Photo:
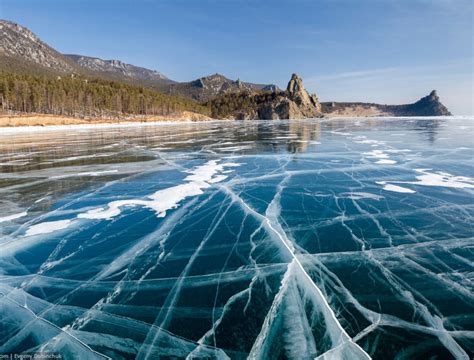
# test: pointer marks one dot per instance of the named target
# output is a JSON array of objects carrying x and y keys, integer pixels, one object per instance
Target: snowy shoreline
[
  {"x": 26, "y": 129},
  {"x": 129, "y": 124}
]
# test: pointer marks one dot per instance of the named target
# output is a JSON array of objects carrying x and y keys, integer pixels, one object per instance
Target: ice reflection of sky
[{"x": 332, "y": 239}]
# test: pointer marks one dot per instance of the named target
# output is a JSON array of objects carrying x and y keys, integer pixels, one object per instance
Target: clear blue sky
[{"x": 387, "y": 51}]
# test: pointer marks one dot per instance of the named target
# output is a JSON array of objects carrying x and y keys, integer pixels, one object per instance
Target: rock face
[
  {"x": 308, "y": 104},
  {"x": 118, "y": 68},
  {"x": 21, "y": 44},
  {"x": 295, "y": 103},
  {"x": 429, "y": 105},
  {"x": 297, "y": 92}
]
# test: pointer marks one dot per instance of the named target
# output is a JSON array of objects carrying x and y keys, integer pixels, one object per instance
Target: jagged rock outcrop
[
  {"x": 427, "y": 106},
  {"x": 297, "y": 92},
  {"x": 295, "y": 103},
  {"x": 308, "y": 104}
]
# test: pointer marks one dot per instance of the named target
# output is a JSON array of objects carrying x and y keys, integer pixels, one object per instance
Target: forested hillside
[
  {"x": 238, "y": 104},
  {"x": 79, "y": 96}
]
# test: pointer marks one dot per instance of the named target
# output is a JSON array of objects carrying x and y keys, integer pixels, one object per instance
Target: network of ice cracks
[{"x": 211, "y": 241}]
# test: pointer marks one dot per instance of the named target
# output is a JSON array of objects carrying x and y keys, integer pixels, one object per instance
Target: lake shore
[
  {"x": 46, "y": 120},
  {"x": 43, "y": 122}
]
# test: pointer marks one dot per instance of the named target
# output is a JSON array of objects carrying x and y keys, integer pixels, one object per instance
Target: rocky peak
[
  {"x": 433, "y": 96},
  {"x": 429, "y": 105},
  {"x": 17, "y": 29},
  {"x": 21, "y": 44},
  {"x": 295, "y": 87},
  {"x": 297, "y": 92},
  {"x": 17, "y": 41},
  {"x": 215, "y": 78},
  {"x": 295, "y": 103}
]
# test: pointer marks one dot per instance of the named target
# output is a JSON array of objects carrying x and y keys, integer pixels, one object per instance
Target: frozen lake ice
[{"x": 328, "y": 239}]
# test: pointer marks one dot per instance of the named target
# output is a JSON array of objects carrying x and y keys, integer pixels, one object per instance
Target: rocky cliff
[
  {"x": 294, "y": 103},
  {"x": 429, "y": 105},
  {"x": 19, "y": 44}
]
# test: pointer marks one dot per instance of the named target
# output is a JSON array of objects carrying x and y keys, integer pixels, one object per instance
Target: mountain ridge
[
  {"x": 208, "y": 87},
  {"x": 115, "y": 66},
  {"x": 21, "y": 51},
  {"x": 19, "y": 42},
  {"x": 20, "y": 48}
]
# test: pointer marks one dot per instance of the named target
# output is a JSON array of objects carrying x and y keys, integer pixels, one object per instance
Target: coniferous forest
[
  {"x": 229, "y": 104},
  {"x": 74, "y": 95}
]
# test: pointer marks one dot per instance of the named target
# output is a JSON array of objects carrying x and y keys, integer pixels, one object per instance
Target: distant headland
[{"x": 40, "y": 86}]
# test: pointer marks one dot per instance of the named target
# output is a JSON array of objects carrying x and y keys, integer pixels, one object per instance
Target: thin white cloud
[
  {"x": 353, "y": 74},
  {"x": 403, "y": 84},
  {"x": 390, "y": 71}
]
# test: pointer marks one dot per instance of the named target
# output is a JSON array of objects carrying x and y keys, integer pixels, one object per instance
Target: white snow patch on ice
[
  {"x": 386, "y": 162},
  {"x": 369, "y": 141},
  {"x": 166, "y": 199},
  {"x": 85, "y": 127},
  {"x": 217, "y": 178},
  {"x": 428, "y": 178},
  {"x": 379, "y": 154},
  {"x": 396, "y": 151},
  {"x": 442, "y": 179},
  {"x": 48, "y": 227},
  {"x": 395, "y": 188},
  {"x": 12, "y": 217}
]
